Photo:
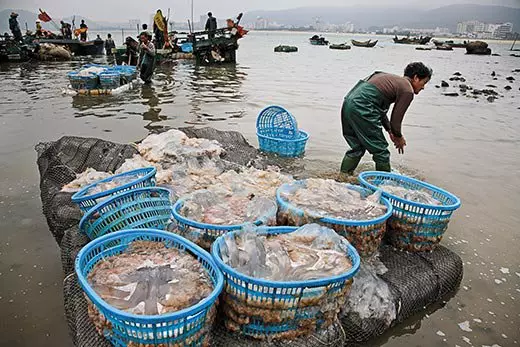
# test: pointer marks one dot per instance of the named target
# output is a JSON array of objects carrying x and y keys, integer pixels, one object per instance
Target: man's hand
[{"x": 399, "y": 142}]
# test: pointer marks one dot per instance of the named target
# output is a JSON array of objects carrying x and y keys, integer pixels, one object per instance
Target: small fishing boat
[
  {"x": 444, "y": 48},
  {"x": 12, "y": 51},
  {"x": 368, "y": 43},
  {"x": 318, "y": 41},
  {"x": 423, "y": 48},
  {"x": 412, "y": 41},
  {"x": 340, "y": 46},
  {"x": 76, "y": 47},
  {"x": 285, "y": 49},
  {"x": 451, "y": 43}
]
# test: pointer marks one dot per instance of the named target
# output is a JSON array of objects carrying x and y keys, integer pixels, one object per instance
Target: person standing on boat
[
  {"x": 39, "y": 32},
  {"x": 109, "y": 44},
  {"x": 211, "y": 25},
  {"x": 15, "y": 27},
  {"x": 66, "y": 30},
  {"x": 159, "y": 26},
  {"x": 363, "y": 115},
  {"x": 146, "y": 57},
  {"x": 83, "y": 34}
]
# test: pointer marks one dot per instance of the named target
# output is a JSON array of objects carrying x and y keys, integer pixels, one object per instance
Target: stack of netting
[
  {"x": 284, "y": 283},
  {"x": 352, "y": 211},
  {"x": 277, "y": 132},
  {"x": 421, "y": 211}
]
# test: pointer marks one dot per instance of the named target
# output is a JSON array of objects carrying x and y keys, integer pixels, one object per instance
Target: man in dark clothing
[
  {"x": 109, "y": 44},
  {"x": 15, "y": 27},
  {"x": 211, "y": 25},
  {"x": 363, "y": 114},
  {"x": 66, "y": 30},
  {"x": 146, "y": 57},
  {"x": 83, "y": 34}
]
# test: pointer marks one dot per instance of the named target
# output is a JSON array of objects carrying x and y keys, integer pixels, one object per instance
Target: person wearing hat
[
  {"x": 15, "y": 27},
  {"x": 39, "y": 32}
]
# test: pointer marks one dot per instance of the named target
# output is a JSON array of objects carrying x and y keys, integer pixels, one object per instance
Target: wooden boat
[
  {"x": 285, "y": 49},
  {"x": 451, "y": 43},
  {"x": 412, "y": 41},
  {"x": 12, "y": 51},
  {"x": 444, "y": 48},
  {"x": 340, "y": 46},
  {"x": 77, "y": 47},
  {"x": 318, "y": 41},
  {"x": 368, "y": 43}
]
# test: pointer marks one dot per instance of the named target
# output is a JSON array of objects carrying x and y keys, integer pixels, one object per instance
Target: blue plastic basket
[
  {"x": 148, "y": 207},
  {"x": 295, "y": 303},
  {"x": 283, "y": 147},
  {"x": 202, "y": 233},
  {"x": 145, "y": 177},
  {"x": 364, "y": 235},
  {"x": 83, "y": 82},
  {"x": 110, "y": 79},
  {"x": 276, "y": 122},
  {"x": 188, "y": 327},
  {"x": 128, "y": 73},
  {"x": 414, "y": 226}
]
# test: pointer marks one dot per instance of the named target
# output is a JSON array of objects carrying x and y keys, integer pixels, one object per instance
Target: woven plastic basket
[
  {"x": 284, "y": 147},
  {"x": 83, "y": 82},
  {"x": 144, "y": 177},
  {"x": 110, "y": 79},
  {"x": 414, "y": 226},
  {"x": 290, "y": 309},
  {"x": 148, "y": 207},
  {"x": 202, "y": 233},
  {"x": 276, "y": 122},
  {"x": 365, "y": 235},
  {"x": 188, "y": 327}
]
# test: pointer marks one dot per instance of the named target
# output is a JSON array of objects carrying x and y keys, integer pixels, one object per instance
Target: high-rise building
[{"x": 503, "y": 30}]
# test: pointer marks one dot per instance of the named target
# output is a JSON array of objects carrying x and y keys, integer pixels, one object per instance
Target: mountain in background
[
  {"x": 364, "y": 17},
  {"x": 361, "y": 17}
]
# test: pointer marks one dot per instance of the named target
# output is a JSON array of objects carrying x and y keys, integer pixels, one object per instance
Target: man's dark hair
[
  {"x": 109, "y": 35},
  {"x": 145, "y": 26},
  {"x": 210, "y": 14},
  {"x": 418, "y": 69}
]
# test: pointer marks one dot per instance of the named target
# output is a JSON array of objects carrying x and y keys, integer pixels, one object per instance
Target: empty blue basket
[
  {"x": 144, "y": 177},
  {"x": 185, "y": 328},
  {"x": 414, "y": 226},
  {"x": 295, "y": 303},
  {"x": 78, "y": 82},
  {"x": 148, "y": 207},
  {"x": 110, "y": 79}
]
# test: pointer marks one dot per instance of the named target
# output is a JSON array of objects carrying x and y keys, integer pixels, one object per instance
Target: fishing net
[{"x": 385, "y": 292}]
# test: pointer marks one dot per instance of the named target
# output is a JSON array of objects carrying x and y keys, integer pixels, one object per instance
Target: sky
[{"x": 124, "y": 10}]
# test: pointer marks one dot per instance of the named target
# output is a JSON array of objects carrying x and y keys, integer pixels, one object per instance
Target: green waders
[{"x": 361, "y": 115}]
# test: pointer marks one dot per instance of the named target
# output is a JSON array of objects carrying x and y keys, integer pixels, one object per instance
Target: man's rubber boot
[
  {"x": 349, "y": 164},
  {"x": 383, "y": 167}
]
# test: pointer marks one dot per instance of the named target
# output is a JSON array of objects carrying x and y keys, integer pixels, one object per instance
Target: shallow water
[{"x": 467, "y": 146}]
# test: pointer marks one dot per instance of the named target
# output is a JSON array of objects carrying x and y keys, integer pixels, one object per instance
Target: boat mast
[{"x": 192, "y": 11}]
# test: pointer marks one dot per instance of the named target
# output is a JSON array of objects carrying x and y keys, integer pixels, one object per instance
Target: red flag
[
  {"x": 44, "y": 17},
  {"x": 241, "y": 31}
]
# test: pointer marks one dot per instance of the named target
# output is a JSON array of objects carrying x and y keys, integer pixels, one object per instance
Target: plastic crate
[
  {"x": 202, "y": 233},
  {"x": 365, "y": 235},
  {"x": 148, "y": 207},
  {"x": 294, "y": 302},
  {"x": 187, "y": 327},
  {"x": 414, "y": 226},
  {"x": 144, "y": 177},
  {"x": 83, "y": 82},
  {"x": 276, "y": 122},
  {"x": 110, "y": 79},
  {"x": 284, "y": 147}
]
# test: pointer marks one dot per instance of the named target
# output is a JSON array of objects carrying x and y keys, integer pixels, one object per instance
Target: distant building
[
  {"x": 261, "y": 23},
  {"x": 502, "y": 31}
]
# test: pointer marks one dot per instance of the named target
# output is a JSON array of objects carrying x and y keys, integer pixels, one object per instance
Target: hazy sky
[{"x": 123, "y": 10}]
